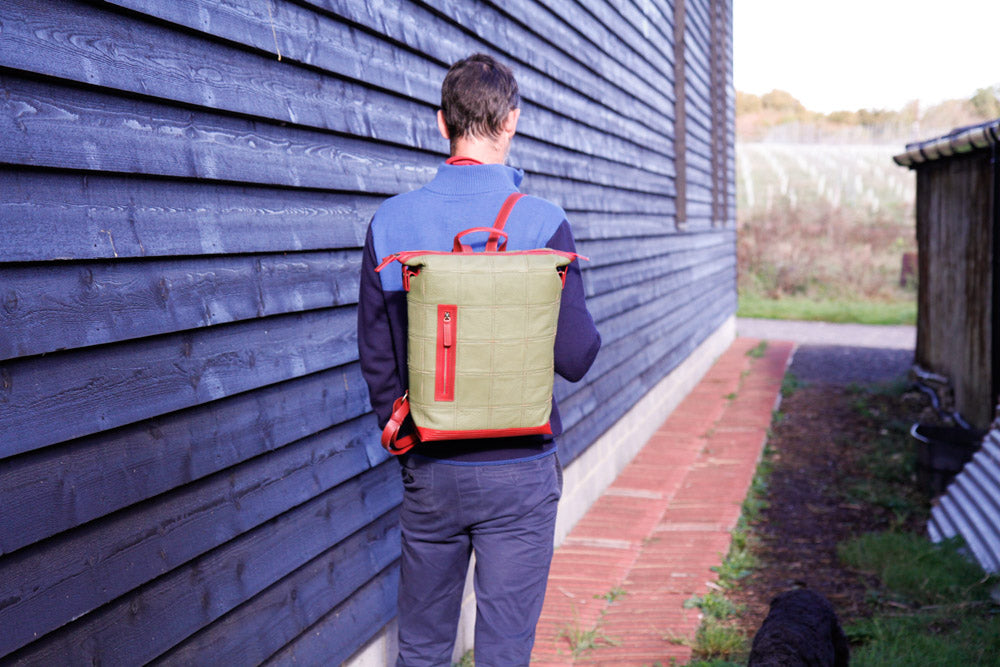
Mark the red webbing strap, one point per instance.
(508, 205)
(400, 410)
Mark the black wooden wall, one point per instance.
(189, 470)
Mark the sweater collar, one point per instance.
(454, 179)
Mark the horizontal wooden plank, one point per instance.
(576, 196)
(88, 44)
(601, 281)
(641, 327)
(267, 622)
(57, 488)
(518, 27)
(79, 573)
(637, 347)
(633, 371)
(654, 21)
(43, 124)
(443, 30)
(586, 154)
(78, 305)
(618, 39)
(642, 306)
(614, 289)
(347, 627)
(319, 40)
(222, 77)
(45, 400)
(302, 35)
(622, 250)
(623, 397)
(52, 215)
(595, 226)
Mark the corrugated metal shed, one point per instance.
(970, 507)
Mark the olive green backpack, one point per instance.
(480, 339)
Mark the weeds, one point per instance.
(612, 595)
(758, 351)
(718, 638)
(790, 383)
(582, 639)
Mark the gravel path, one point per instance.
(840, 353)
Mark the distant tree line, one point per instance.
(779, 116)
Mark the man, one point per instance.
(494, 496)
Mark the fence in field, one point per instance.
(860, 178)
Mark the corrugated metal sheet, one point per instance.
(960, 140)
(970, 508)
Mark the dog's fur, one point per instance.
(801, 629)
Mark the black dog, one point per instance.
(801, 630)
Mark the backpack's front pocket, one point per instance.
(447, 338)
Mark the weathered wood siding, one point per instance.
(957, 296)
(189, 470)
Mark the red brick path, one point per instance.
(657, 531)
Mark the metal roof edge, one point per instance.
(959, 140)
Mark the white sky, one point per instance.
(861, 54)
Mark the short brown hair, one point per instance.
(477, 94)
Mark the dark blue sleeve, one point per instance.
(376, 349)
(577, 339)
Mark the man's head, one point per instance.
(479, 101)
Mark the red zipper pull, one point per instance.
(447, 333)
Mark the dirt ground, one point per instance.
(816, 456)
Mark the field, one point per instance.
(823, 230)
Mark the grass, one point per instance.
(718, 641)
(824, 234)
(935, 604)
(916, 572)
(857, 311)
(888, 458)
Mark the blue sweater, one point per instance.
(460, 197)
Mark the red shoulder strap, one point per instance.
(508, 206)
(400, 410)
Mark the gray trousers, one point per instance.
(506, 514)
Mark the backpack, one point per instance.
(481, 330)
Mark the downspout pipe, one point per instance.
(995, 268)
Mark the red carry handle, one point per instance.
(508, 206)
(495, 231)
(458, 246)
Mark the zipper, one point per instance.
(447, 327)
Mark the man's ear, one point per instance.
(510, 124)
(442, 126)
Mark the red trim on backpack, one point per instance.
(431, 434)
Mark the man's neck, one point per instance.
(486, 151)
